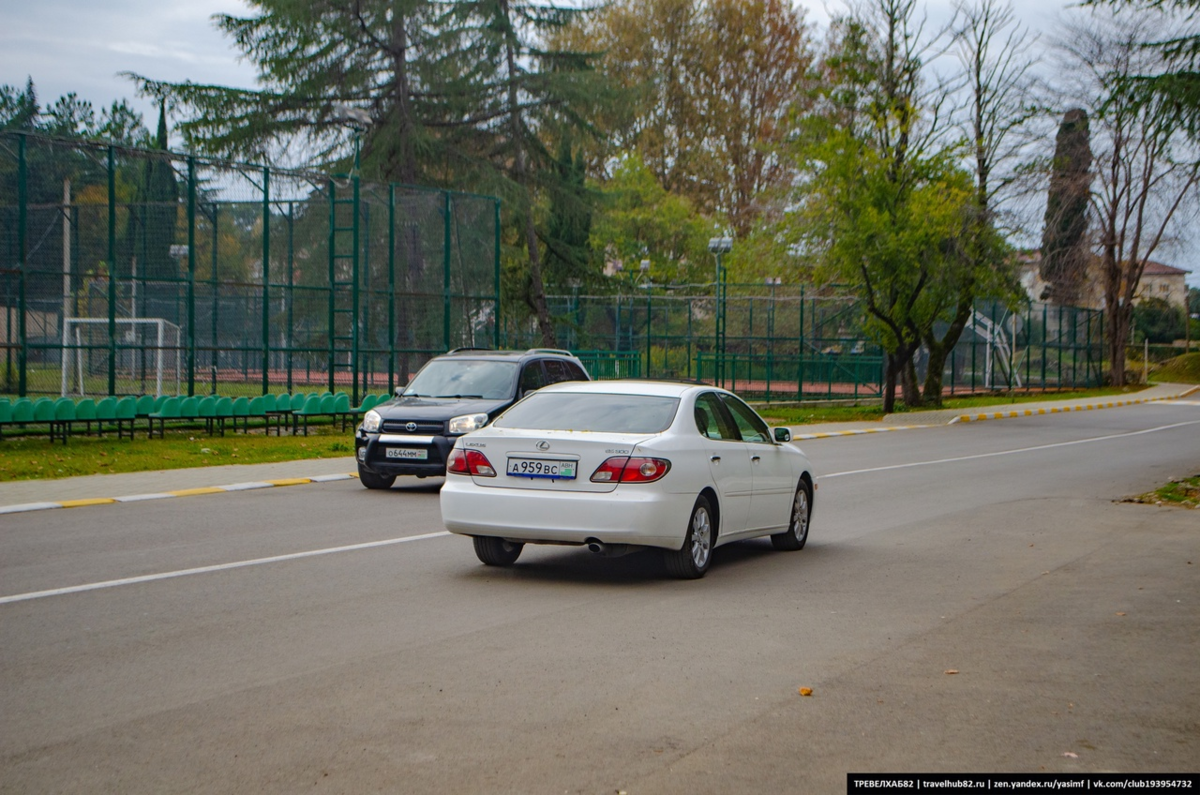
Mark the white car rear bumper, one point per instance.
(626, 515)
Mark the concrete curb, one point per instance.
(855, 432)
(1000, 415)
(257, 484)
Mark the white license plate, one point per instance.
(407, 452)
(541, 468)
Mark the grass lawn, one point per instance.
(806, 415)
(31, 457)
(1183, 369)
(24, 458)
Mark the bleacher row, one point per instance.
(61, 417)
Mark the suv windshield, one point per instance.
(546, 411)
(464, 378)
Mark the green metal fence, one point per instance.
(132, 272)
(786, 342)
(128, 272)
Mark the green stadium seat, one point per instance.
(85, 411)
(168, 411)
(127, 412)
(241, 408)
(311, 408)
(223, 412)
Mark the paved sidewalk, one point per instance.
(25, 495)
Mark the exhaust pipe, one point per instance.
(609, 550)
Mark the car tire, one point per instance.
(497, 551)
(693, 560)
(797, 533)
(374, 481)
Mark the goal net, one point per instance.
(148, 354)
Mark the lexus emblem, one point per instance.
(543, 445)
(411, 427)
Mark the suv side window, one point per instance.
(532, 377)
(750, 425)
(562, 370)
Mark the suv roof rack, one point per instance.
(464, 350)
(550, 350)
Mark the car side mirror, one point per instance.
(783, 435)
(398, 391)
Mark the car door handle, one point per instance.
(716, 459)
(756, 458)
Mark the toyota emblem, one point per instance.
(411, 427)
(543, 445)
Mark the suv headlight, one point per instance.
(467, 423)
(372, 421)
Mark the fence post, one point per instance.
(496, 277)
(23, 265)
(112, 271)
(391, 327)
(446, 232)
(215, 298)
(191, 277)
(291, 293)
(266, 280)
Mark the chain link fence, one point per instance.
(782, 342)
(117, 265)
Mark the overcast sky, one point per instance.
(84, 45)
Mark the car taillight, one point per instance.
(469, 462)
(623, 469)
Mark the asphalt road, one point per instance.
(971, 599)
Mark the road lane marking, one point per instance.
(442, 534)
(167, 575)
(1009, 452)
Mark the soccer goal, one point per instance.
(148, 355)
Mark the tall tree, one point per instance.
(532, 87)
(154, 214)
(711, 85)
(992, 51)
(390, 71)
(1066, 250)
(1173, 80)
(881, 201)
(1147, 167)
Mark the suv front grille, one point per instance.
(423, 427)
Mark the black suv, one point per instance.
(454, 393)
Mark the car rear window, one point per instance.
(557, 411)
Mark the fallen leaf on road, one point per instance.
(1120, 614)
(805, 691)
(1070, 754)
(951, 671)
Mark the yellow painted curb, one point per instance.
(1059, 409)
(82, 503)
(193, 492)
(289, 481)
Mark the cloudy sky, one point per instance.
(84, 45)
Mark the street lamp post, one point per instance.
(718, 246)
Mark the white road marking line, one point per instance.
(95, 586)
(1008, 452)
(372, 544)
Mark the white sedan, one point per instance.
(623, 465)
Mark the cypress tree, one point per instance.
(1065, 253)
